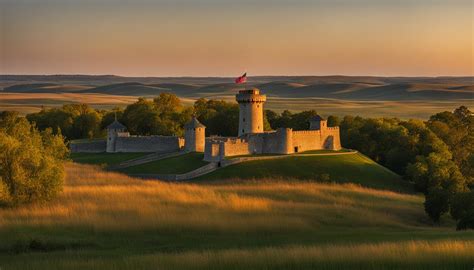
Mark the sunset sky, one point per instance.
(228, 37)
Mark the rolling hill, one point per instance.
(403, 97)
(345, 88)
(106, 220)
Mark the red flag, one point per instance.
(241, 79)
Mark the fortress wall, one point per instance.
(306, 140)
(148, 144)
(330, 138)
(212, 149)
(235, 147)
(97, 146)
(271, 142)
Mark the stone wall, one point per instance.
(218, 148)
(330, 138)
(236, 147)
(305, 140)
(148, 144)
(96, 146)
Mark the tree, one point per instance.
(333, 121)
(31, 166)
(167, 103)
(436, 203)
(437, 171)
(456, 129)
(462, 210)
(219, 117)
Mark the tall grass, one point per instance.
(107, 200)
(107, 220)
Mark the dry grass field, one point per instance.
(106, 220)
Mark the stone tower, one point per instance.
(112, 131)
(318, 123)
(250, 111)
(194, 136)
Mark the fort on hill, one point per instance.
(251, 139)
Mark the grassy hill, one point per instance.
(105, 220)
(174, 165)
(104, 158)
(355, 168)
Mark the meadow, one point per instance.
(107, 220)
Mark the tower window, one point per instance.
(258, 106)
(243, 120)
(243, 131)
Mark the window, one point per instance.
(243, 120)
(243, 131)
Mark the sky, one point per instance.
(229, 37)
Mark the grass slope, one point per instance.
(355, 168)
(174, 165)
(104, 158)
(105, 220)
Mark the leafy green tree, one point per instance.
(436, 203)
(462, 210)
(219, 117)
(333, 121)
(167, 103)
(31, 166)
(438, 171)
(456, 129)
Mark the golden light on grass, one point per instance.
(105, 200)
(281, 225)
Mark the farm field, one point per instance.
(107, 220)
(403, 97)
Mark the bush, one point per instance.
(31, 167)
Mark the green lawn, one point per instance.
(104, 158)
(355, 168)
(324, 151)
(174, 165)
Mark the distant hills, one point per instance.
(328, 87)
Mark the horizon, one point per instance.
(233, 76)
(209, 38)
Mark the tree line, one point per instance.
(436, 155)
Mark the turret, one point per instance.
(250, 111)
(286, 141)
(194, 136)
(317, 123)
(112, 131)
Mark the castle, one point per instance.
(251, 139)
